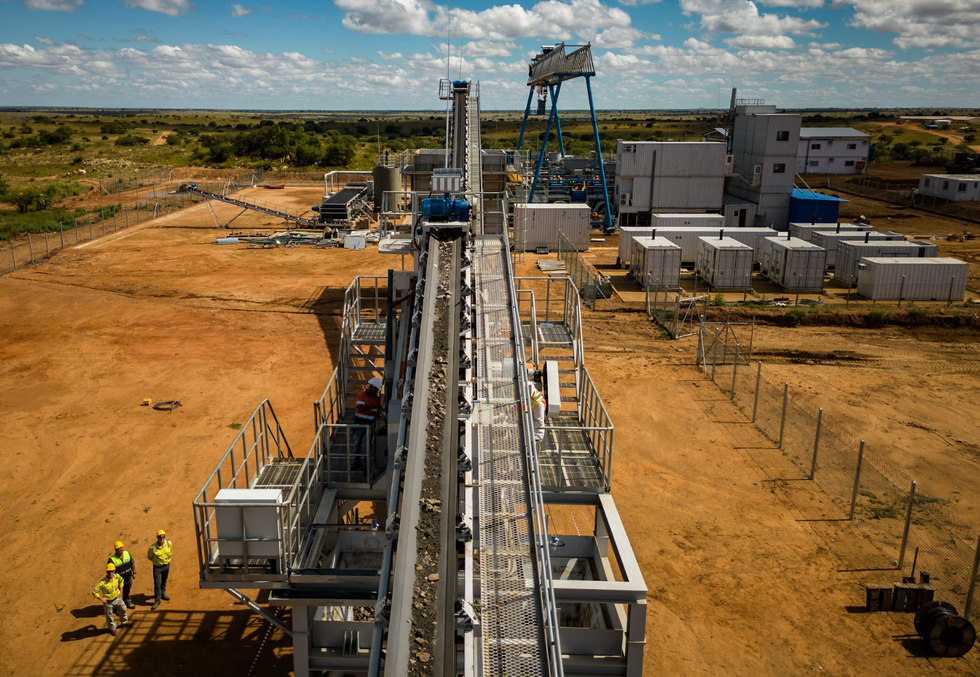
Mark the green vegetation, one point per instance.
(794, 316)
(719, 300)
(877, 317)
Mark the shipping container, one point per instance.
(655, 263)
(804, 230)
(686, 237)
(658, 220)
(738, 212)
(889, 278)
(725, 263)
(829, 239)
(793, 264)
(850, 253)
(669, 158)
(753, 237)
(626, 235)
(538, 225)
(688, 193)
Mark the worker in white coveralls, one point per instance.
(537, 410)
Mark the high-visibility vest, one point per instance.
(367, 406)
(124, 564)
(108, 588)
(160, 555)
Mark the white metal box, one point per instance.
(793, 263)
(538, 225)
(829, 240)
(725, 263)
(247, 522)
(626, 235)
(655, 262)
(659, 220)
(928, 279)
(804, 230)
(850, 253)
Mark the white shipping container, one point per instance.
(725, 263)
(538, 225)
(701, 220)
(669, 158)
(753, 237)
(626, 235)
(655, 262)
(850, 253)
(829, 240)
(805, 230)
(687, 193)
(888, 278)
(793, 264)
(686, 237)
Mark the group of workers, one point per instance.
(120, 571)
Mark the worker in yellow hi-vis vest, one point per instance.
(160, 554)
(537, 410)
(125, 567)
(109, 592)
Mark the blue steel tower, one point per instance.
(546, 73)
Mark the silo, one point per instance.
(386, 180)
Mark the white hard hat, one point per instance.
(376, 382)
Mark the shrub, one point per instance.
(916, 313)
(794, 316)
(719, 300)
(877, 317)
(132, 140)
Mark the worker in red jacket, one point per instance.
(367, 412)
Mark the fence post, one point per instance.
(973, 583)
(714, 355)
(90, 235)
(30, 246)
(127, 218)
(734, 372)
(677, 311)
(857, 481)
(782, 420)
(816, 443)
(75, 221)
(13, 255)
(908, 523)
(47, 250)
(758, 382)
(102, 215)
(61, 229)
(901, 292)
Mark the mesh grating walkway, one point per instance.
(513, 637)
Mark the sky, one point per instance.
(390, 54)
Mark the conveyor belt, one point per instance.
(513, 632)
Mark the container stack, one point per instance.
(829, 240)
(804, 230)
(850, 253)
(725, 263)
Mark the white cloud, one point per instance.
(238, 10)
(743, 17)
(555, 19)
(634, 3)
(792, 3)
(761, 42)
(475, 48)
(919, 23)
(397, 56)
(44, 41)
(54, 5)
(617, 37)
(168, 7)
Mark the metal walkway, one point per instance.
(513, 626)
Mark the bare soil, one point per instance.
(740, 583)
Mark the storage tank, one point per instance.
(803, 230)
(725, 263)
(850, 253)
(538, 225)
(829, 240)
(626, 235)
(887, 278)
(386, 180)
(658, 220)
(793, 264)
(655, 263)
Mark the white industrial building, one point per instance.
(764, 145)
(832, 150)
(952, 187)
(655, 176)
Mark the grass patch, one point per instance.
(877, 318)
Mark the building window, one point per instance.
(782, 136)
(961, 188)
(945, 185)
(848, 163)
(814, 146)
(928, 181)
(779, 169)
(814, 163)
(852, 146)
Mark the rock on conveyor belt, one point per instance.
(430, 540)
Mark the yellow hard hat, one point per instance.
(161, 532)
(118, 544)
(110, 567)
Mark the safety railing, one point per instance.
(259, 445)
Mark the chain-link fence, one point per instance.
(679, 316)
(873, 516)
(903, 193)
(592, 285)
(31, 248)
